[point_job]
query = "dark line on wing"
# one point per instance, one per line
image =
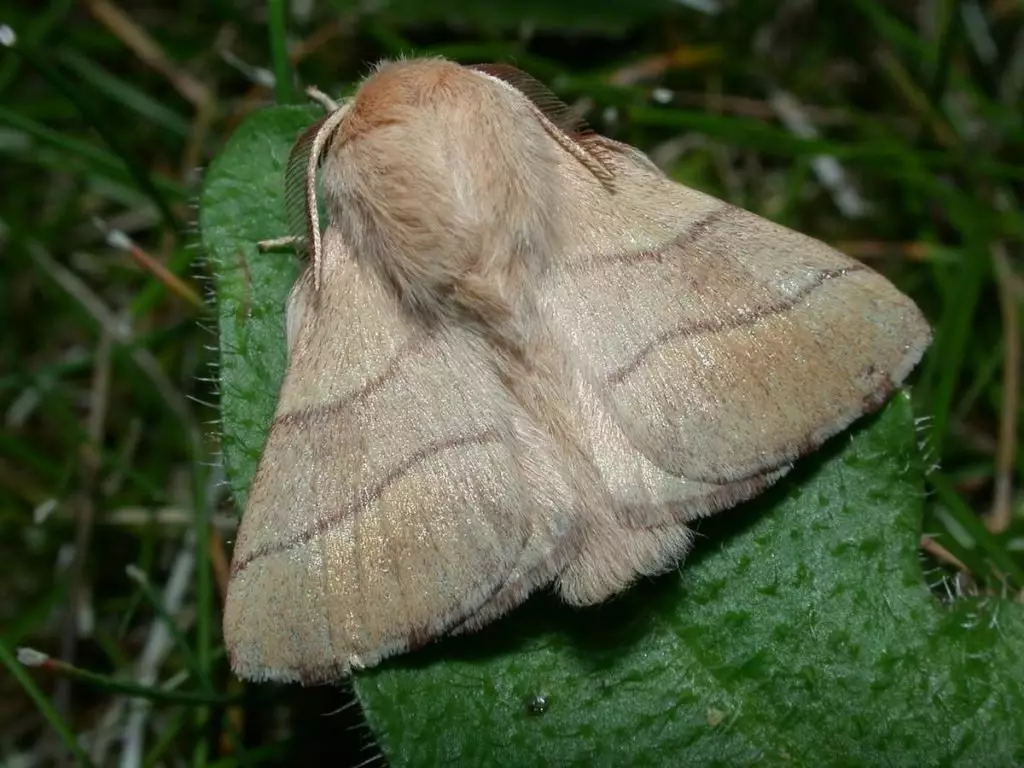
(367, 496)
(705, 224)
(693, 234)
(303, 415)
(683, 331)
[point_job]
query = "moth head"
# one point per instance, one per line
(433, 166)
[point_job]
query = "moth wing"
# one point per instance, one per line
(399, 491)
(723, 345)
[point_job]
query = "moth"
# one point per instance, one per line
(520, 357)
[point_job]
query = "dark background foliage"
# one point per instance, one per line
(892, 130)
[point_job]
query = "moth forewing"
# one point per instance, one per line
(297, 309)
(390, 503)
(523, 356)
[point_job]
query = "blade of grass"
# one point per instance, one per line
(123, 92)
(34, 29)
(155, 650)
(114, 324)
(944, 367)
(894, 161)
(968, 520)
(32, 658)
(100, 160)
(277, 26)
(33, 460)
(43, 704)
(205, 609)
(93, 116)
(984, 374)
(35, 615)
(948, 28)
(157, 604)
(199, 672)
(170, 731)
(148, 51)
(917, 98)
(270, 753)
(895, 32)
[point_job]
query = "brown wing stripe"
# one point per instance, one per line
(706, 224)
(715, 325)
(687, 239)
(364, 499)
(302, 415)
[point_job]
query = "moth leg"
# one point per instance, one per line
(278, 243)
(321, 98)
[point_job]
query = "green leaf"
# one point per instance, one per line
(800, 632)
(242, 203)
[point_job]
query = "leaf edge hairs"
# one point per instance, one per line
(521, 356)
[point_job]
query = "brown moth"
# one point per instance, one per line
(521, 356)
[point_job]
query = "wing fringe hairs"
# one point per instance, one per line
(518, 356)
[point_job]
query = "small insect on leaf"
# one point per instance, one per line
(519, 357)
(537, 704)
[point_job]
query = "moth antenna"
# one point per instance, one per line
(554, 109)
(300, 185)
(320, 140)
(295, 173)
(565, 125)
(295, 188)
